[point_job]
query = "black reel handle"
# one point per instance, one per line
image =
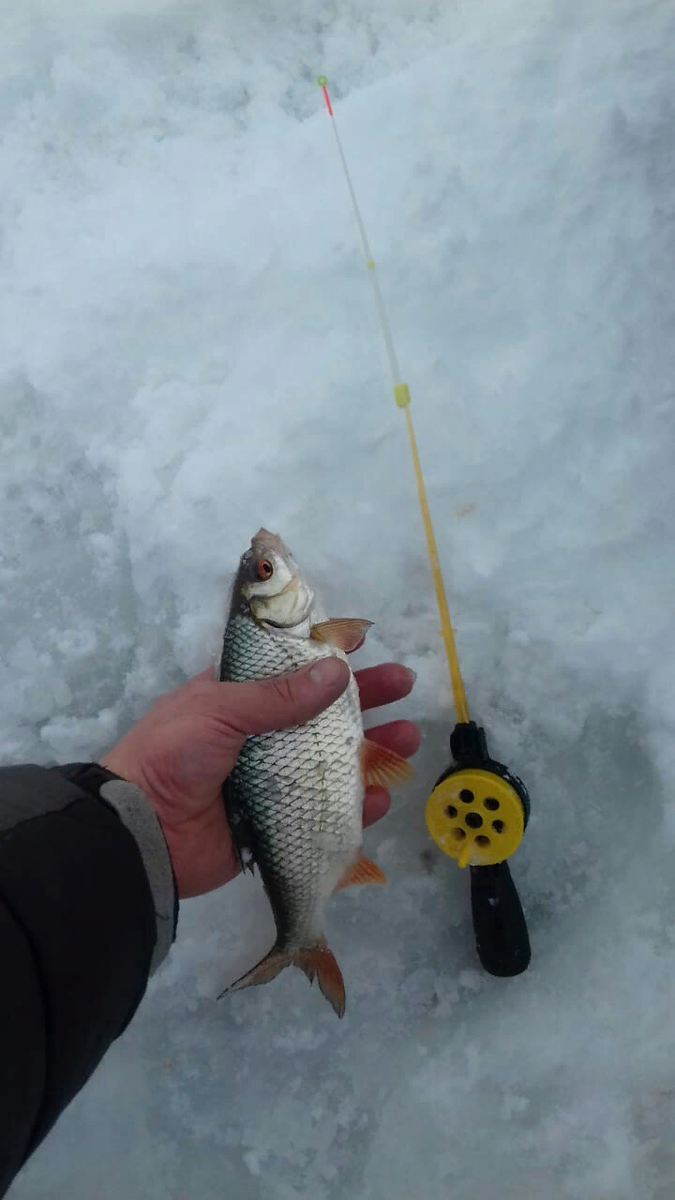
(502, 940)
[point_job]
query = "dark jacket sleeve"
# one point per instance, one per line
(88, 909)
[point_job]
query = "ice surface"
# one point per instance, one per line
(188, 349)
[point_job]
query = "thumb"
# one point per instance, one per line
(279, 703)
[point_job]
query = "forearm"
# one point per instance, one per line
(87, 910)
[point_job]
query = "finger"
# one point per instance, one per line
(280, 702)
(202, 677)
(401, 736)
(375, 805)
(384, 684)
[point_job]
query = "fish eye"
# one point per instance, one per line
(264, 569)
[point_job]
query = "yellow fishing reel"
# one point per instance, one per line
(477, 814)
(475, 817)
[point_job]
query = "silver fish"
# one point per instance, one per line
(295, 798)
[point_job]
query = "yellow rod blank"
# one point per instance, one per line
(458, 692)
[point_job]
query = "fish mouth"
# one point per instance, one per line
(262, 610)
(269, 541)
(298, 619)
(248, 589)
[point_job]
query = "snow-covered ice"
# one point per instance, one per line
(188, 349)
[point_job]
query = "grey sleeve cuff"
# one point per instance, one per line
(136, 812)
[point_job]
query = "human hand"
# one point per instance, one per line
(187, 744)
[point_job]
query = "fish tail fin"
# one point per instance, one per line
(263, 972)
(317, 962)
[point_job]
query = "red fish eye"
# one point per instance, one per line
(265, 569)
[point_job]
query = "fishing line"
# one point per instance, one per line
(402, 398)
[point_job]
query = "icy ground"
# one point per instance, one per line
(188, 349)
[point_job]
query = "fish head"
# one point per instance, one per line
(270, 584)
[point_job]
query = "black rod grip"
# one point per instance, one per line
(502, 940)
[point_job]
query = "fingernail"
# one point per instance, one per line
(412, 674)
(327, 672)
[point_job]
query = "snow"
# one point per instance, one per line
(188, 349)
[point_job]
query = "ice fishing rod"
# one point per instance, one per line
(478, 810)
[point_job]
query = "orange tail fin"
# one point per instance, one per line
(317, 962)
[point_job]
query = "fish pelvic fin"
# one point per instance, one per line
(382, 766)
(317, 961)
(363, 870)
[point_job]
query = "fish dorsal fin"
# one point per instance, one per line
(345, 633)
(364, 870)
(382, 766)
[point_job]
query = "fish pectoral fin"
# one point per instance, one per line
(242, 835)
(317, 962)
(345, 633)
(246, 859)
(364, 870)
(383, 766)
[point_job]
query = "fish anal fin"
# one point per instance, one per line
(383, 766)
(345, 633)
(364, 870)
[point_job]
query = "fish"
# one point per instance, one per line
(294, 800)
